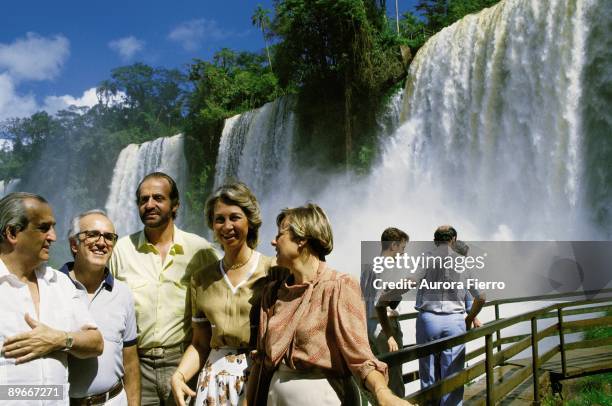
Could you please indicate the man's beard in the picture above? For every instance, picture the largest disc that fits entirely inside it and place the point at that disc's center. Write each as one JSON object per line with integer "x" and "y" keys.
{"x": 160, "y": 221}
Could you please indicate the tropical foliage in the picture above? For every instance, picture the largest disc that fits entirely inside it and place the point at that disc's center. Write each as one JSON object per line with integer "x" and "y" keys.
{"x": 341, "y": 58}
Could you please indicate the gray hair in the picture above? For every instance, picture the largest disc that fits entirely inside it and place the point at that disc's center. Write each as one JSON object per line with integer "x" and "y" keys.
{"x": 75, "y": 227}
{"x": 13, "y": 213}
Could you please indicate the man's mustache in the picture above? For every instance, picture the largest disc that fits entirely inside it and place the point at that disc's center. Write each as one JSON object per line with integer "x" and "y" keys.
{"x": 152, "y": 211}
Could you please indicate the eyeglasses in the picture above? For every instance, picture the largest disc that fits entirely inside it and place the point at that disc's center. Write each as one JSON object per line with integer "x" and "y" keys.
{"x": 93, "y": 236}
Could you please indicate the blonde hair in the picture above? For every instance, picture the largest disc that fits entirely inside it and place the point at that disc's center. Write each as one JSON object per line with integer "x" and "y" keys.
{"x": 237, "y": 194}
{"x": 309, "y": 223}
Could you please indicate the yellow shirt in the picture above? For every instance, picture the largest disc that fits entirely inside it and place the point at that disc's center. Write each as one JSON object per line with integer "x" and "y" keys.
{"x": 161, "y": 290}
{"x": 233, "y": 311}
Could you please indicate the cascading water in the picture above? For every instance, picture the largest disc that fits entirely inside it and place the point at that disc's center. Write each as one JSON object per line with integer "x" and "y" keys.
{"x": 493, "y": 136}
{"x": 134, "y": 162}
{"x": 389, "y": 119}
{"x": 493, "y": 132}
{"x": 255, "y": 147}
{"x": 8, "y": 186}
{"x": 492, "y": 139}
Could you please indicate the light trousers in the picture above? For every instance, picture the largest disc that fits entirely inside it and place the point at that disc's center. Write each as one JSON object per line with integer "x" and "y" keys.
{"x": 432, "y": 368}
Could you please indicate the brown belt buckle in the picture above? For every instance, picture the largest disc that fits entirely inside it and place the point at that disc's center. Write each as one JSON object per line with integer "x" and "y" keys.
{"x": 157, "y": 352}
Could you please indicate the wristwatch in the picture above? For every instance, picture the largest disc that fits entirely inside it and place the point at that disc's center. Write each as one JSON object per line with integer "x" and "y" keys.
{"x": 69, "y": 341}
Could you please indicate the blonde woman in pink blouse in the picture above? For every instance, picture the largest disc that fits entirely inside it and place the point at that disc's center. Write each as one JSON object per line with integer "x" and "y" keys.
{"x": 312, "y": 333}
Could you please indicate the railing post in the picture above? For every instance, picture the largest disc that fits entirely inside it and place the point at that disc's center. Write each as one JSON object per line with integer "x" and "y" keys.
{"x": 562, "y": 342}
{"x": 535, "y": 363}
{"x": 489, "y": 369}
{"x": 498, "y": 332}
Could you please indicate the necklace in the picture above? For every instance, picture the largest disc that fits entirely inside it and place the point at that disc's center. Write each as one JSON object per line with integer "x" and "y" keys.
{"x": 238, "y": 265}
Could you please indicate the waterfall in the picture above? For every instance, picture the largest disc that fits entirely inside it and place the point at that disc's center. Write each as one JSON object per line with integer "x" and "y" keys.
{"x": 389, "y": 119}
{"x": 256, "y": 148}
{"x": 8, "y": 186}
{"x": 493, "y": 134}
{"x": 492, "y": 138}
{"x": 135, "y": 161}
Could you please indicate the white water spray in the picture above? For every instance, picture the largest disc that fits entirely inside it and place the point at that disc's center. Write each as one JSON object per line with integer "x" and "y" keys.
{"x": 134, "y": 162}
{"x": 492, "y": 140}
{"x": 255, "y": 148}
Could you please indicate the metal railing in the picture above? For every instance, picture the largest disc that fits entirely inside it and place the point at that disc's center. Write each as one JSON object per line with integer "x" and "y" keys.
{"x": 496, "y": 356}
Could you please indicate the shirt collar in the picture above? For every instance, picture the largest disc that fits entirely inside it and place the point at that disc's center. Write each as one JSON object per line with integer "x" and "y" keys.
{"x": 4, "y": 272}
{"x": 178, "y": 242}
{"x": 108, "y": 281}
{"x": 45, "y": 272}
{"x": 42, "y": 272}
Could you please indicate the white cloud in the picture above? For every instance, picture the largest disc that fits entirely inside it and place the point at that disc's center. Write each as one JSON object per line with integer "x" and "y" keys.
{"x": 53, "y": 104}
{"x": 127, "y": 47}
{"x": 13, "y": 104}
{"x": 34, "y": 57}
{"x": 191, "y": 34}
{"x": 37, "y": 58}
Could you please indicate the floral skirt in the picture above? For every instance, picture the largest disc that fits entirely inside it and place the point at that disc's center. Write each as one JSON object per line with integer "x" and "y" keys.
{"x": 222, "y": 381}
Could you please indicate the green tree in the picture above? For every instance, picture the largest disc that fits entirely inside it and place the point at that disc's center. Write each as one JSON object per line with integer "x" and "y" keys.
{"x": 232, "y": 83}
{"x": 153, "y": 98}
{"x": 435, "y": 13}
{"x": 340, "y": 53}
{"x": 458, "y": 9}
{"x": 414, "y": 30}
{"x": 261, "y": 20}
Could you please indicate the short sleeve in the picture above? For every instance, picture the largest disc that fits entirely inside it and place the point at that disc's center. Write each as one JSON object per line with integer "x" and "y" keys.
{"x": 197, "y": 315}
{"x": 130, "y": 332}
{"x": 208, "y": 256}
{"x": 351, "y": 333}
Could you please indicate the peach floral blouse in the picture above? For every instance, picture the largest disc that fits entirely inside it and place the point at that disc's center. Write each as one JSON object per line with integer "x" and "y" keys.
{"x": 318, "y": 325}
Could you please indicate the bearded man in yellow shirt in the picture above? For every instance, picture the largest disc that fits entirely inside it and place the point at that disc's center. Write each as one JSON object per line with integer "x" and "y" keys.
{"x": 157, "y": 263}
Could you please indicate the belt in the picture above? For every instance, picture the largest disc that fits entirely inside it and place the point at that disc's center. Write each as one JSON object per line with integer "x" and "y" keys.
{"x": 161, "y": 352}
{"x": 99, "y": 399}
{"x": 236, "y": 351}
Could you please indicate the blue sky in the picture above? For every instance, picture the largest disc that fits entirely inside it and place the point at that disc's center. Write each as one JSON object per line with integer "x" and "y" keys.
{"x": 53, "y": 53}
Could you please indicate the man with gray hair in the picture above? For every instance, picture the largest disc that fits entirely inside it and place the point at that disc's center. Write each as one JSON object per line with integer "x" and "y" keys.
{"x": 442, "y": 313}
{"x": 113, "y": 378}
{"x": 42, "y": 316}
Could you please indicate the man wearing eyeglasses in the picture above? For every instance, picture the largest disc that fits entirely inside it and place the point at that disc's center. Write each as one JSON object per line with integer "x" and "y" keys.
{"x": 157, "y": 263}
{"x": 113, "y": 378}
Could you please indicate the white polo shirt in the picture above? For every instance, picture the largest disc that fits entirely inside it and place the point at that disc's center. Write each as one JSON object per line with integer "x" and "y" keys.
{"x": 61, "y": 307}
{"x": 112, "y": 307}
